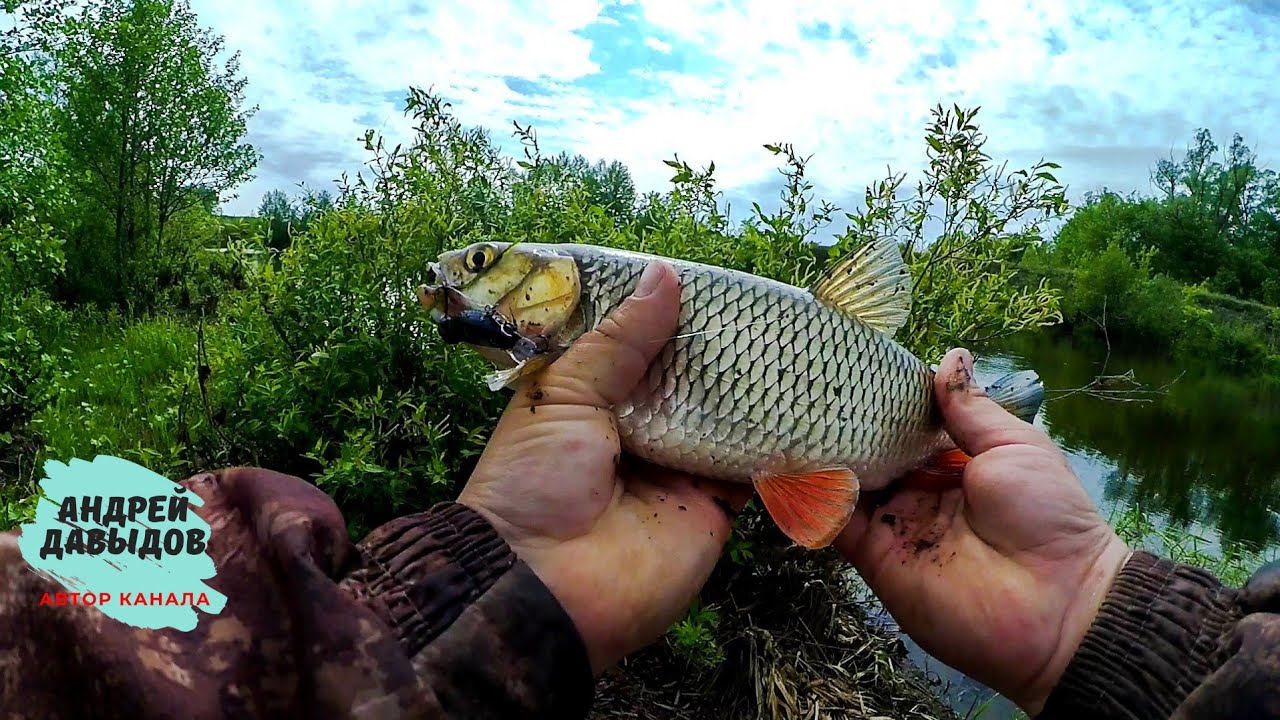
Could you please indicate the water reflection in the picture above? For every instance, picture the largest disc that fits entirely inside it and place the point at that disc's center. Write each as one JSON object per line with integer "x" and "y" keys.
{"x": 1203, "y": 453}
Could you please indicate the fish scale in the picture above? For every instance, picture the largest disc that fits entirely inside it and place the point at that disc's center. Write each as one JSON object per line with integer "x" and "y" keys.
{"x": 797, "y": 384}
{"x": 802, "y": 393}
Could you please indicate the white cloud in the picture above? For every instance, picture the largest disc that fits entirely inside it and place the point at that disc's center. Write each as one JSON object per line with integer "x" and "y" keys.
{"x": 656, "y": 44}
{"x": 322, "y": 72}
{"x": 859, "y": 105}
{"x": 1102, "y": 87}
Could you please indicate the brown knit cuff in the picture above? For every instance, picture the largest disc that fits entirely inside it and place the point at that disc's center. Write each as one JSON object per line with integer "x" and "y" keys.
{"x": 421, "y": 571}
{"x": 1153, "y": 642}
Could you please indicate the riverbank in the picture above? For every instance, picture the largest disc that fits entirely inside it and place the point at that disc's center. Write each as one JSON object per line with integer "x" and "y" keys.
{"x": 1123, "y": 304}
{"x": 795, "y": 639}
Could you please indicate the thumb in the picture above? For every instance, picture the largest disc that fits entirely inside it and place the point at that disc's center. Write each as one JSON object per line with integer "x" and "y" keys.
{"x": 974, "y": 421}
{"x": 602, "y": 367}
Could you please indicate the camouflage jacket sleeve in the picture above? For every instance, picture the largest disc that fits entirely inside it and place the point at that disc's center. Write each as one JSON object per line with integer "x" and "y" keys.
{"x": 1170, "y": 641}
{"x": 430, "y": 616}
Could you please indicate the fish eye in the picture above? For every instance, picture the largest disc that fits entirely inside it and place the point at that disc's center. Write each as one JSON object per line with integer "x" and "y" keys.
{"x": 479, "y": 258}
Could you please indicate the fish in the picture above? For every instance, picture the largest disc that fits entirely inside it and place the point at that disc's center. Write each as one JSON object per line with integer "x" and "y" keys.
{"x": 801, "y": 392}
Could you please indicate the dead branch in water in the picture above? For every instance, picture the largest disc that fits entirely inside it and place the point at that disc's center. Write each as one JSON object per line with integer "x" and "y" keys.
{"x": 1120, "y": 388}
{"x": 1123, "y": 387}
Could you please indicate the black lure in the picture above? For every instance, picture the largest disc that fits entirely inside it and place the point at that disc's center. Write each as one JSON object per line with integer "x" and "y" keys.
{"x": 483, "y": 328}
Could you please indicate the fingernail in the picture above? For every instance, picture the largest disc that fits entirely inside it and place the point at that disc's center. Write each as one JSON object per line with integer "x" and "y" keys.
{"x": 966, "y": 362}
{"x": 648, "y": 280}
{"x": 963, "y": 378}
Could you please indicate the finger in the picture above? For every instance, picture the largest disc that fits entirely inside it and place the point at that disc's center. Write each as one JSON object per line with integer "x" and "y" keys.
{"x": 604, "y": 365}
{"x": 975, "y": 421}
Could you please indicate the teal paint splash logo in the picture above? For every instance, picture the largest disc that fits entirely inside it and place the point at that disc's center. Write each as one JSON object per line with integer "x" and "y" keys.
{"x": 123, "y": 538}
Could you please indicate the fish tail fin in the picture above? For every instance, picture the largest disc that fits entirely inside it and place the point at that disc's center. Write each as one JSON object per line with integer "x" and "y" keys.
{"x": 1021, "y": 393}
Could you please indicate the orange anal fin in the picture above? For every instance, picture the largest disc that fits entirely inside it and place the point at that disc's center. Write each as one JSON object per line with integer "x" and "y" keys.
{"x": 943, "y": 471}
{"x": 811, "y": 508}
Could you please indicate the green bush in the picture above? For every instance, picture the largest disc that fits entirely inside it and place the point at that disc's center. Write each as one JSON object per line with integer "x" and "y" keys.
{"x": 30, "y": 325}
{"x": 323, "y": 367}
{"x": 1161, "y": 310}
{"x": 1113, "y": 291}
{"x": 1232, "y": 346}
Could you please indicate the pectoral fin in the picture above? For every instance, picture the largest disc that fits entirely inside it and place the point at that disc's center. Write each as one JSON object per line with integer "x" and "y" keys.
{"x": 942, "y": 472}
{"x": 812, "y": 507}
{"x": 499, "y": 379}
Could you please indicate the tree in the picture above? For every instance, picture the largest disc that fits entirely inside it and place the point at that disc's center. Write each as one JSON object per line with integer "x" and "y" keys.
{"x": 1213, "y": 219}
{"x": 33, "y": 197}
{"x": 148, "y": 114}
{"x": 311, "y": 206}
{"x": 279, "y": 212}
{"x": 1228, "y": 194}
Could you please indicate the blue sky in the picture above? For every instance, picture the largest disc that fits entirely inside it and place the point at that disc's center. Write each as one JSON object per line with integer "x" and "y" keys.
{"x": 1104, "y": 88}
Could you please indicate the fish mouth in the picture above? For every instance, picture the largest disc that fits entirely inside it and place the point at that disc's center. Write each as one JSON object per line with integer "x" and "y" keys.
{"x": 459, "y": 320}
{"x": 440, "y": 297}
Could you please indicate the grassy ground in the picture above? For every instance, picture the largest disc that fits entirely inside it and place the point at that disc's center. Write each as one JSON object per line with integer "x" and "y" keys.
{"x": 793, "y": 642}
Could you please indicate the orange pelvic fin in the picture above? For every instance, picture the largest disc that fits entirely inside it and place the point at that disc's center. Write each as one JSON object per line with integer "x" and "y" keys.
{"x": 812, "y": 507}
{"x": 941, "y": 472}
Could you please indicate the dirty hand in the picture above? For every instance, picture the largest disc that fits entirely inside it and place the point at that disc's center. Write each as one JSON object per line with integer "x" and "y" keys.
{"x": 624, "y": 546}
{"x": 1002, "y": 577}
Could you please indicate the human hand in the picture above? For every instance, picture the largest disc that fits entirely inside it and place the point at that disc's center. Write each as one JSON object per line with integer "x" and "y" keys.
{"x": 1002, "y": 577}
{"x": 624, "y": 546}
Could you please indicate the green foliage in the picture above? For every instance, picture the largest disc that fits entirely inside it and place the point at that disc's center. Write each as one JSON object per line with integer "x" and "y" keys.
{"x": 989, "y": 217}
{"x": 33, "y": 195}
{"x": 278, "y": 212}
{"x": 326, "y": 369}
{"x": 1113, "y": 294}
{"x": 284, "y": 217}
{"x": 28, "y": 323}
{"x": 1233, "y": 564}
{"x": 694, "y": 636}
{"x": 1212, "y": 222}
{"x": 1119, "y": 295}
{"x": 1150, "y": 269}
{"x": 151, "y": 123}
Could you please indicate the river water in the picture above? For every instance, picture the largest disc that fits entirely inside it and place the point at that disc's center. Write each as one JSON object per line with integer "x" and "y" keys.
{"x": 1201, "y": 453}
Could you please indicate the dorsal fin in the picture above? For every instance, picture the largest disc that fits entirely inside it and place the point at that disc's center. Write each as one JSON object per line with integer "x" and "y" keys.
{"x": 871, "y": 283}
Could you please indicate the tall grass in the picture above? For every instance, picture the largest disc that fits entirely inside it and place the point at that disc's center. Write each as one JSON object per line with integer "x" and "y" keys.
{"x": 1231, "y": 563}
